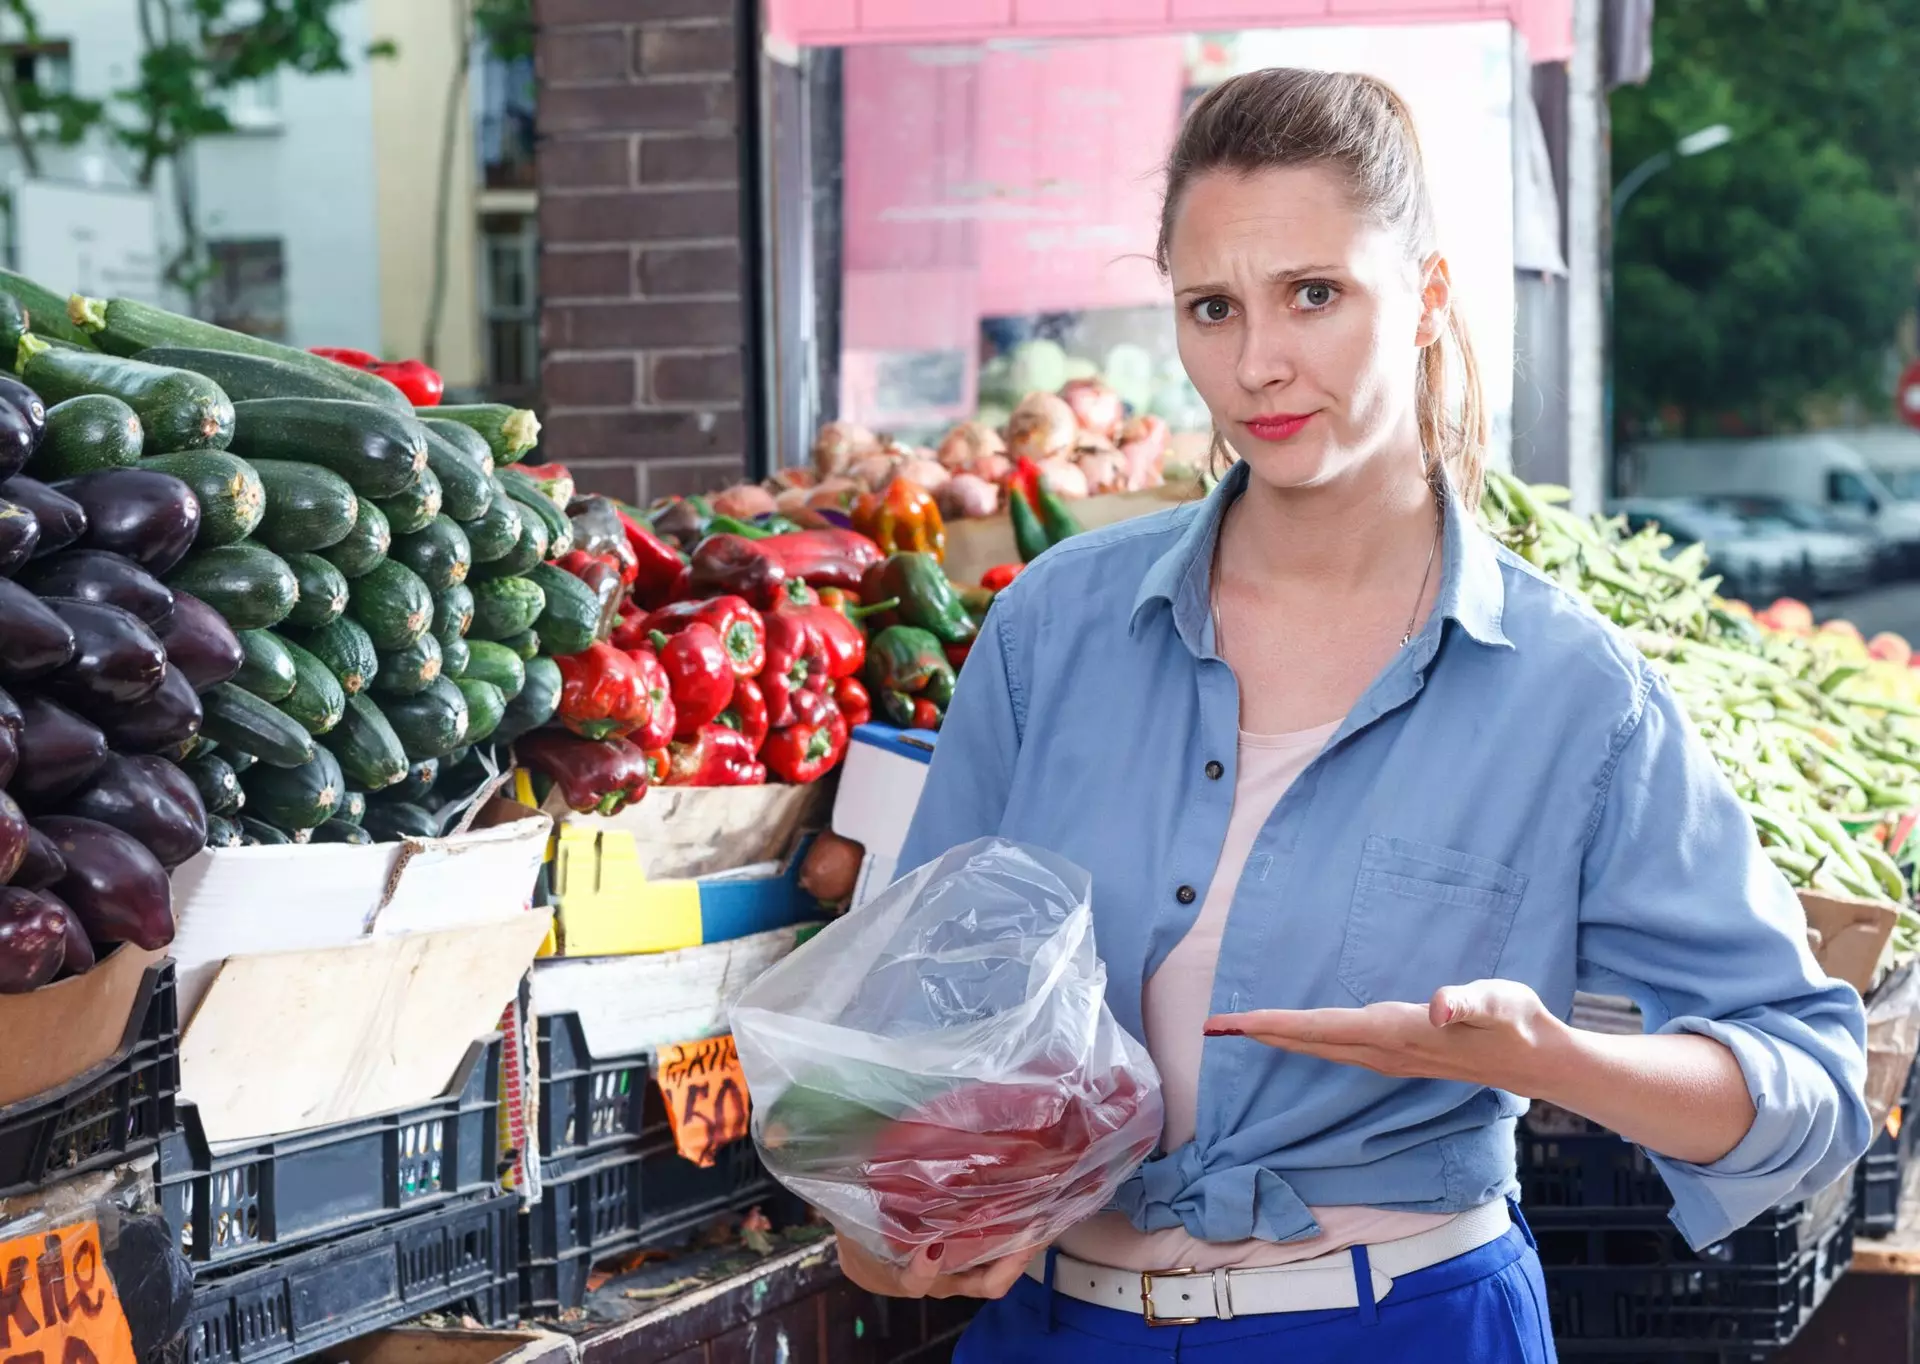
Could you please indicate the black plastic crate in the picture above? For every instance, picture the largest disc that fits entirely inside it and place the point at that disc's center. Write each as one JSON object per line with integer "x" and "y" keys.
{"x": 119, "y": 1110}
{"x": 462, "y": 1256}
{"x": 592, "y": 1209}
{"x": 1883, "y": 1170}
{"x": 590, "y": 1103}
{"x": 283, "y": 1191}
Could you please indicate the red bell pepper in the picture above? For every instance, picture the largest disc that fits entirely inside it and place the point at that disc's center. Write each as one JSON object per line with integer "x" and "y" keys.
{"x": 823, "y": 558}
{"x": 747, "y": 712}
{"x": 594, "y": 776}
{"x": 657, "y": 732}
{"x": 996, "y": 579}
{"x": 602, "y": 575}
{"x": 850, "y": 694}
{"x": 740, "y": 627}
{"x": 732, "y": 565}
{"x": 659, "y": 764}
{"x": 808, "y": 750}
{"x": 715, "y": 756}
{"x": 699, "y": 674}
{"x": 796, "y": 662}
{"x": 423, "y": 387}
{"x": 356, "y": 359}
{"x": 603, "y": 694}
{"x": 957, "y": 654}
{"x": 660, "y": 574}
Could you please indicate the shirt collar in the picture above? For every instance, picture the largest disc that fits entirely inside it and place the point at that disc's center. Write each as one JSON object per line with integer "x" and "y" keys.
{"x": 1472, "y": 589}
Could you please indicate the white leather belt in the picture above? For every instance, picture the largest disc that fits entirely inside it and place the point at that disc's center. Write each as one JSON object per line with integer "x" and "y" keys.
{"x": 1181, "y": 1297}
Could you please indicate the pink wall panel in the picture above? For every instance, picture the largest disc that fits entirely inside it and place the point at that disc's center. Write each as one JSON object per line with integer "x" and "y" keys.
{"x": 1089, "y": 14}
{"x": 1261, "y": 13}
{"x": 930, "y": 16}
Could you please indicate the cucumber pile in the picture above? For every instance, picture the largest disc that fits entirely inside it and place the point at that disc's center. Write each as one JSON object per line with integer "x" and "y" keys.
{"x": 346, "y": 539}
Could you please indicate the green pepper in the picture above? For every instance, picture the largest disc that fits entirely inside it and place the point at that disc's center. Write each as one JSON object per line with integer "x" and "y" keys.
{"x": 904, "y": 662}
{"x": 1055, "y": 518}
{"x": 733, "y": 525}
{"x": 927, "y": 599}
{"x": 1028, "y": 537}
{"x": 976, "y": 600}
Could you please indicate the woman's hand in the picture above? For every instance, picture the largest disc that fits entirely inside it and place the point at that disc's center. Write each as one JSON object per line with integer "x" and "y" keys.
{"x": 1492, "y": 1032}
{"x": 922, "y": 1277}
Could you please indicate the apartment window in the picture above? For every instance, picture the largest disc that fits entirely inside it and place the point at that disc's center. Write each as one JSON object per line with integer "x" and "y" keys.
{"x": 510, "y": 303}
{"x": 505, "y": 118}
{"x": 247, "y": 287}
{"x": 42, "y": 73}
{"x": 250, "y": 106}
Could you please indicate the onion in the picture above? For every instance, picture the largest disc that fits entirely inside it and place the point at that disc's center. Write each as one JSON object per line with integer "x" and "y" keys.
{"x": 968, "y": 442}
{"x": 1064, "y": 476}
{"x": 968, "y": 495}
{"x": 839, "y": 444}
{"x": 1042, "y": 426}
{"x": 928, "y": 473}
{"x": 831, "y": 868}
{"x": 1097, "y": 408}
{"x": 744, "y": 501}
{"x": 832, "y": 492}
{"x": 785, "y": 479}
{"x": 872, "y": 472}
{"x": 1143, "y": 441}
{"x": 1105, "y": 471}
{"x": 995, "y": 469}
{"x": 792, "y": 500}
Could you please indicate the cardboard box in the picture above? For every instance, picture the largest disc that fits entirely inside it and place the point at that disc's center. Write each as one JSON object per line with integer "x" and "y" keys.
{"x": 71, "y": 1030}
{"x": 1853, "y": 935}
{"x": 880, "y": 784}
{"x": 420, "y": 1345}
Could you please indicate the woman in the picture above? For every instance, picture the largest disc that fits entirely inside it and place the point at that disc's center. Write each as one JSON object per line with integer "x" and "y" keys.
{"x": 1375, "y": 796}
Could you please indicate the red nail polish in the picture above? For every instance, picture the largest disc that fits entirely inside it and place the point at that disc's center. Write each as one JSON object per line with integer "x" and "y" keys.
{"x": 935, "y": 1252}
{"x": 1223, "y": 1032}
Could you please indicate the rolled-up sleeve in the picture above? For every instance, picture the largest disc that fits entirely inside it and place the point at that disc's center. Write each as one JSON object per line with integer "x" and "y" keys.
{"x": 1682, "y": 911}
{"x": 965, "y": 796}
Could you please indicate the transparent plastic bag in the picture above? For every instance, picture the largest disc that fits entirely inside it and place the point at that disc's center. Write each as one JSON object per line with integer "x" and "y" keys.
{"x": 939, "y": 1066}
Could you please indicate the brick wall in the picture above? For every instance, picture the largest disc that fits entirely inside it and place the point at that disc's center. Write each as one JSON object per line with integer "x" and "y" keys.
{"x": 642, "y": 319}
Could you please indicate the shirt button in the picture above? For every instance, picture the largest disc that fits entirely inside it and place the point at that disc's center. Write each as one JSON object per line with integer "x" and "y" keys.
{"x": 1216, "y": 770}
{"x": 1186, "y": 895}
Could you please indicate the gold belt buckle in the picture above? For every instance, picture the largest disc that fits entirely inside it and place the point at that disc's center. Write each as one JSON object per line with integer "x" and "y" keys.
{"x": 1146, "y": 1297}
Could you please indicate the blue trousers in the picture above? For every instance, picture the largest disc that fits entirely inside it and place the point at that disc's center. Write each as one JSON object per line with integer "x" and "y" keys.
{"x": 1488, "y": 1306}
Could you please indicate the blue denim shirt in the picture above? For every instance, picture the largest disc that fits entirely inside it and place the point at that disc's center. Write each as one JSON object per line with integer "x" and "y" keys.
{"x": 1517, "y": 795}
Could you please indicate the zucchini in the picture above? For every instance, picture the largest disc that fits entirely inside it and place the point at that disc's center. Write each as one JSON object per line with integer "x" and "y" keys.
{"x": 338, "y": 830}
{"x": 570, "y": 619}
{"x": 412, "y": 788}
{"x": 439, "y": 554}
{"x": 223, "y": 832}
{"x": 395, "y": 821}
{"x": 14, "y": 324}
{"x": 91, "y": 432}
{"x": 366, "y": 544}
{"x": 46, "y": 311}
{"x": 528, "y": 550}
{"x": 254, "y": 833}
{"x": 252, "y": 587}
{"x": 236, "y": 759}
{"x": 524, "y": 643}
{"x": 455, "y": 657}
{"x": 317, "y": 698}
{"x": 495, "y": 663}
{"x": 509, "y": 432}
{"x": 368, "y": 749}
{"x": 414, "y": 507}
{"x": 485, "y": 708}
{"x": 353, "y": 805}
{"x": 232, "y": 498}
{"x": 535, "y": 704}
{"x": 216, "y": 781}
{"x": 409, "y": 671}
{"x": 502, "y": 607}
{"x": 349, "y": 654}
{"x": 179, "y": 410}
{"x": 432, "y": 724}
{"x": 301, "y": 797}
{"x": 245, "y": 377}
{"x": 323, "y": 592}
{"x": 377, "y": 450}
{"x": 466, "y": 483}
{"x": 308, "y": 507}
{"x": 452, "y": 613}
{"x": 124, "y": 327}
{"x": 393, "y": 604}
{"x": 241, "y": 722}
{"x": 494, "y": 535}
{"x": 266, "y": 668}
{"x": 524, "y": 491}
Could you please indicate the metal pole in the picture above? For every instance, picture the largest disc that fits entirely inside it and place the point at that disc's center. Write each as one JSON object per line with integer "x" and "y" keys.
{"x": 1635, "y": 178}
{"x": 1587, "y": 473}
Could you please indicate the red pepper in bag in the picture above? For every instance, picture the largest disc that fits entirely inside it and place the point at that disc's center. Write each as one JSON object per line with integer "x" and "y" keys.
{"x": 740, "y": 627}
{"x": 808, "y": 750}
{"x": 593, "y": 776}
{"x": 660, "y": 574}
{"x": 423, "y": 387}
{"x": 603, "y": 693}
{"x": 699, "y": 675}
{"x": 715, "y": 756}
{"x": 796, "y": 662}
{"x": 747, "y": 712}
{"x": 850, "y": 694}
{"x": 657, "y": 732}
{"x": 732, "y": 565}
{"x": 823, "y": 558}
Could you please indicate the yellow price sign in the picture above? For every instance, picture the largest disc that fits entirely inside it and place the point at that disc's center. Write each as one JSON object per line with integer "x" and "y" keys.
{"x": 57, "y": 1301}
{"x": 706, "y": 1094}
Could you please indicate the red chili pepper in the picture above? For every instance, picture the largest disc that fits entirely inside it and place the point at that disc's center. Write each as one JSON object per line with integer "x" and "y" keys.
{"x": 740, "y": 627}
{"x": 823, "y": 558}
{"x": 747, "y": 712}
{"x": 699, "y": 674}
{"x": 996, "y": 579}
{"x": 660, "y": 574}
{"x": 657, "y": 732}
{"x": 715, "y": 756}
{"x": 926, "y": 715}
{"x": 1026, "y": 477}
{"x": 423, "y": 387}
{"x": 357, "y": 359}
{"x": 732, "y": 565}
{"x": 850, "y": 694}
{"x": 603, "y": 694}
{"x": 796, "y": 661}
{"x": 807, "y": 751}
{"x": 594, "y": 776}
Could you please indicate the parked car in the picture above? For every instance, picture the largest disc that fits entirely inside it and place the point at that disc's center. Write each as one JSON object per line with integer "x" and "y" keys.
{"x": 1754, "y": 566}
{"x": 1844, "y": 555}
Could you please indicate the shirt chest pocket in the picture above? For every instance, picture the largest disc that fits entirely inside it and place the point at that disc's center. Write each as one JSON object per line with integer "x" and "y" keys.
{"x": 1422, "y": 917}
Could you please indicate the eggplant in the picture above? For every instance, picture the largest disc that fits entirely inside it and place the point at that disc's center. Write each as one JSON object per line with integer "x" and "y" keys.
{"x": 58, "y": 753}
{"x": 36, "y": 640}
{"x": 17, "y": 394}
{"x": 115, "y": 885}
{"x": 33, "y": 939}
{"x": 43, "y": 865}
{"x": 99, "y": 575}
{"x": 62, "y": 521}
{"x": 161, "y": 723}
{"x": 200, "y": 643}
{"x": 80, "y": 956}
{"x": 19, "y": 537}
{"x": 150, "y": 799}
{"x": 14, "y": 838}
{"x": 11, "y": 724}
{"x": 119, "y": 660}
{"x": 19, "y": 433}
{"x": 150, "y": 517}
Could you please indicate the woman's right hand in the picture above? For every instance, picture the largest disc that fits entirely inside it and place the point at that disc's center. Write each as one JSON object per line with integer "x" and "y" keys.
{"x": 921, "y": 1278}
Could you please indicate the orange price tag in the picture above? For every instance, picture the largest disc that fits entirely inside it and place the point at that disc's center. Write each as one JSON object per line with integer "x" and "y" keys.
{"x": 706, "y": 1096}
{"x": 57, "y": 1301}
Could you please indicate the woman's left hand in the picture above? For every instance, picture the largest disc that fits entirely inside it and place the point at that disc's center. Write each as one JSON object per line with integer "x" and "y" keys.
{"x": 1491, "y": 1032}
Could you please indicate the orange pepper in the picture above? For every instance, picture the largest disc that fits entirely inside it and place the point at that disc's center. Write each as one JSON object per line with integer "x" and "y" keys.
{"x": 902, "y": 520}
